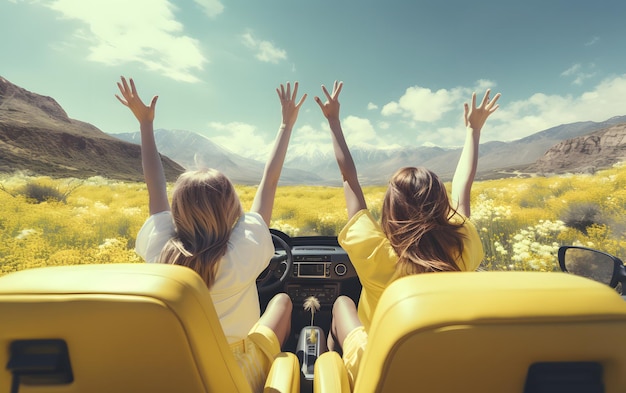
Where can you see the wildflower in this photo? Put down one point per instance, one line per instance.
(109, 243)
(25, 233)
(500, 248)
(285, 227)
(131, 211)
(100, 205)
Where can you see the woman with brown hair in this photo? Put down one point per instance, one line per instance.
(422, 229)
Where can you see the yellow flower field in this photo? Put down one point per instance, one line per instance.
(522, 222)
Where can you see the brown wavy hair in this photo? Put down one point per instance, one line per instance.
(415, 218)
(205, 208)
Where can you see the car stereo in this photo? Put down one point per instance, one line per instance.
(311, 269)
(309, 266)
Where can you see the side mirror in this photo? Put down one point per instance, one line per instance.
(593, 264)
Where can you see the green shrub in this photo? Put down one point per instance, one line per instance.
(582, 215)
(39, 193)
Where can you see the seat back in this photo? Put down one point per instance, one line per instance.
(126, 327)
(496, 332)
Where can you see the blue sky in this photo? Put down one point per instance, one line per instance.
(407, 66)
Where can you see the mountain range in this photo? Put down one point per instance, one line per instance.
(37, 136)
(523, 157)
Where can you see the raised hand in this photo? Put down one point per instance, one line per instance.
(290, 109)
(150, 159)
(465, 172)
(475, 117)
(131, 99)
(330, 108)
(263, 202)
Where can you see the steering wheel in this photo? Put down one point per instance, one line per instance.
(279, 268)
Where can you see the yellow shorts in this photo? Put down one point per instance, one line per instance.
(255, 355)
(353, 347)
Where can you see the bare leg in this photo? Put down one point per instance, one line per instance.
(345, 319)
(277, 316)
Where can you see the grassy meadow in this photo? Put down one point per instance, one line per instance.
(522, 221)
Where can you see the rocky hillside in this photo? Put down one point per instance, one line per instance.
(36, 135)
(586, 154)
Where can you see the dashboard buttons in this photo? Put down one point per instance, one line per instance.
(326, 294)
(341, 269)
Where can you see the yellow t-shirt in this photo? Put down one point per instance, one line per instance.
(375, 260)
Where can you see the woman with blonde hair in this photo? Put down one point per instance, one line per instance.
(422, 230)
(207, 230)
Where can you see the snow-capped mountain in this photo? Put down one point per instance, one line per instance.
(192, 150)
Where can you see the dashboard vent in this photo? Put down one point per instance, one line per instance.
(315, 248)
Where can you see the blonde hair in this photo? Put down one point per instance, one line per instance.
(415, 217)
(205, 208)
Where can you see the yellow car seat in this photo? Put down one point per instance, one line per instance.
(489, 332)
(119, 328)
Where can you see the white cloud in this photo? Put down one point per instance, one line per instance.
(392, 108)
(578, 74)
(359, 131)
(383, 125)
(443, 136)
(371, 106)
(592, 41)
(540, 111)
(239, 137)
(143, 31)
(269, 53)
(248, 40)
(308, 134)
(513, 120)
(308, 140)
(265, 50)
(483, 84)
(424, 105)
(211, 8)
(571, 71)
(580, 78)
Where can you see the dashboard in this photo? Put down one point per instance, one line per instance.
(323, 271)
(320, 268)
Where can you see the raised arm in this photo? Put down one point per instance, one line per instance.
(150, 160)
(465, 172)
(264, 199)
(355, 200)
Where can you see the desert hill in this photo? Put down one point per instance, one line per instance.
(585, 154)
(36, 135)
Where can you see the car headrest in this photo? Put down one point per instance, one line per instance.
(495, 332)
(125, 327)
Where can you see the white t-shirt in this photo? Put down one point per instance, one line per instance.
(234, 292)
